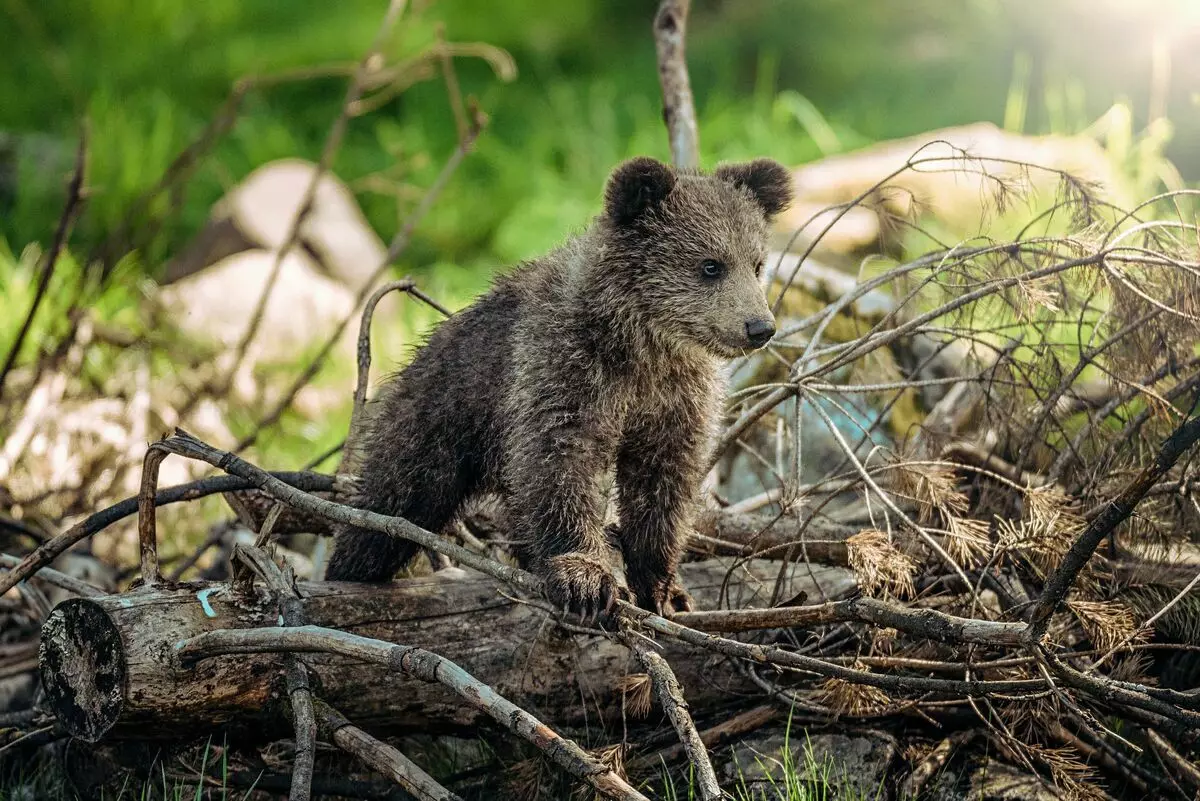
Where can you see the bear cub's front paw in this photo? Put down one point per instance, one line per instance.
(583, 584)
(664, 597)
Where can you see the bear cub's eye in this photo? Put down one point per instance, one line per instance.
(758, 269)
(712, 269)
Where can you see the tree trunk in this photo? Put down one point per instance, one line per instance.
(109, 668)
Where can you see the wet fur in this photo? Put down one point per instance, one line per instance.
(604, 355)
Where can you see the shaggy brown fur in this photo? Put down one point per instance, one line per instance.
(603, 355)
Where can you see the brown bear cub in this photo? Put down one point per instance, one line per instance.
(605, 355)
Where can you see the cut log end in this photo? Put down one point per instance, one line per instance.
(83, 668)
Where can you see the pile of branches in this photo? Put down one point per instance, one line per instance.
(1016, 567)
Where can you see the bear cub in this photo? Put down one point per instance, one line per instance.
(601, 358)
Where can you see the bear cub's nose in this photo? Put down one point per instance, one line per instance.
(759, 332)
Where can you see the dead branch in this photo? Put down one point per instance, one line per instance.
(423, 665)
(670, 32)
(147, 519)
(364, 353)
(55, 578)
(50, 550)
(291, 613)
(1101, 526)
(926, 623)
(775, 655)
(184, 444)
(670, 697)
(382, 757)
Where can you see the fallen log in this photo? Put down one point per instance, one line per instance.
(110, 666)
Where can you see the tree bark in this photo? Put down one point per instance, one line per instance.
(110, 670)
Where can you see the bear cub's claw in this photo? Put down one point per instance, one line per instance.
(678, 600)
(664, 597)
(584, 585)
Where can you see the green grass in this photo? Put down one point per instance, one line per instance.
(44, 782)
(788, 777)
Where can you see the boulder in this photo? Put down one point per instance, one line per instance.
(259, 212)
(956, 189)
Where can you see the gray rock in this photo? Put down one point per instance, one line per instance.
(853, 766)
(996, 781)
(986, 780)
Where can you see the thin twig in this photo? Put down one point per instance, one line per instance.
(397, 246)
(358, 410)
(216, 534)
(36, 738)
(1185, 767)
(50, 550)
(65, 221)
(453, 93)
(185, 444)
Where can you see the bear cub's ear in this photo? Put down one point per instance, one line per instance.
(636, 187)
(767, 179)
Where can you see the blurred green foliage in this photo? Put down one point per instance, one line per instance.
(793, 79)
(789, 78)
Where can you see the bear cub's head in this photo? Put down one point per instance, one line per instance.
(691, 248)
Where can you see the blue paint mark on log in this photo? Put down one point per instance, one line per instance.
(202, 597)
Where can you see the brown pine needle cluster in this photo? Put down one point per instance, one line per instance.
(638, 693)
(527, 778)
(1051, 524)
(1071, 776)
(613, 757)
(1037, 295)
(934, 488)
(967, 540)
(880, 565)
(845, 698)
(1108, 623)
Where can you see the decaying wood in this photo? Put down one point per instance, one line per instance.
(110, 668)
(421, 664)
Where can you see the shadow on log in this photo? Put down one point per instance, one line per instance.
(110, 668)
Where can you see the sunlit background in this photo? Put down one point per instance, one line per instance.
(570, 88)
(793, 78)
